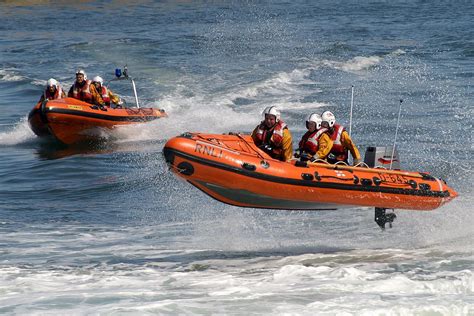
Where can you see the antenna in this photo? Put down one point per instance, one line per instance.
(396, 132)
(352, 106)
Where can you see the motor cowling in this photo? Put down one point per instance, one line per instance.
(382, 157)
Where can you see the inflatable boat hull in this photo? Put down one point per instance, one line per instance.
(72, 121)
(231, 169)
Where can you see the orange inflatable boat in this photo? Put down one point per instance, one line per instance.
(231, 169)
(72, 121)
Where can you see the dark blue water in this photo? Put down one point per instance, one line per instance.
(109, 230)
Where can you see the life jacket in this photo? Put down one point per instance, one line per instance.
(58, 94)
(338, 152)
(104, 94)
(310, 141)
(272, 137)
(83, 92)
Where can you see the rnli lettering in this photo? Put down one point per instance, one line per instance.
(208, 150)
(394, 178)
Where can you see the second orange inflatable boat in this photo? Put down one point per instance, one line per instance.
(231, 169)
(72, 121)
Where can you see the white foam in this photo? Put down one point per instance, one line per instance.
(280, 84)
(215, 113)
(398, 52)
(207, 119)
(356, 64)
(10, 75)
(20, 133)
(297, 106)
(122, 271)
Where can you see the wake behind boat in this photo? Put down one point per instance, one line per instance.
(233, 170)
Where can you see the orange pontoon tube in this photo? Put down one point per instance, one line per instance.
(231, 169)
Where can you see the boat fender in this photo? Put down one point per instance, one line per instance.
(413, 184)
(264, 164)
(317, 176)
(366, 182)
(249, 166)
(185, 168)
(377, 181)
(307, 176)
(356, 180)
(424, 187)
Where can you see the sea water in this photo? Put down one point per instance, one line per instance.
(110, 230)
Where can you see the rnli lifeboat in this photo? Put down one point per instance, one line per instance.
(233, 170)
(72, 121)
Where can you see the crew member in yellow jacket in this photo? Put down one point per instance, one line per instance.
(273, 136)
(342, 142)
(101, 95)
(316, 143)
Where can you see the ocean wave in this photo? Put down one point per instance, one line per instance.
(10, 75)
(281, 83)
(360, 63)
(355, 64)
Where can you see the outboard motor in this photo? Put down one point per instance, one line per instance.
(382, 157)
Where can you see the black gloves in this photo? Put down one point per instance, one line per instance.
(297, 153)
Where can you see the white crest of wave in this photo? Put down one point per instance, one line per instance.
(398, 52)
(300, 105)
(39, 82)
(280, 84)
(20, 133)
(361, 63)
(9, 74)
(356, 64)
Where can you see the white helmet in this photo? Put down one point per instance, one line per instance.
(81, 71)
(272, 110)
(328, 117)
(316, 118)
(98, 79)
(51, 82)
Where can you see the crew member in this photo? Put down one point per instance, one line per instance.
(315, 143)
(101, 95)
(81, 89)
(52, 91)
(273, 136)
(342, 142)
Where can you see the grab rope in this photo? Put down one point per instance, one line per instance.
(250, 147)
(321, 161)
(361, 165)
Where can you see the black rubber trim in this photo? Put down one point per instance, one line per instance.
(103, 116)
(339, 186)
